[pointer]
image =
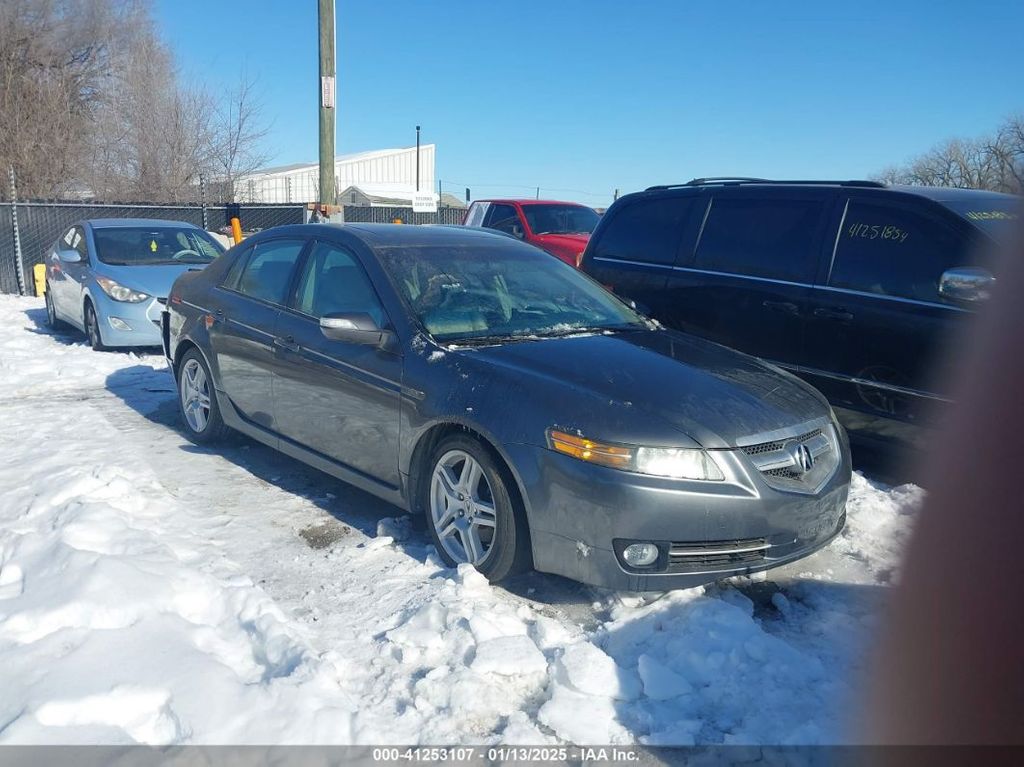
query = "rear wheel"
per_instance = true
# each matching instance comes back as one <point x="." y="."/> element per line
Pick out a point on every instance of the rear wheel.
<point x="92" y="329"/>
<point x="472" y="512"/>
<point x="51" y="313"/>
<point x="197" y="400"/>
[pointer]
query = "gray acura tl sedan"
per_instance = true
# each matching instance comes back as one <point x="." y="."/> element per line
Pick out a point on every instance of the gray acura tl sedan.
<point x="533" y="418"/>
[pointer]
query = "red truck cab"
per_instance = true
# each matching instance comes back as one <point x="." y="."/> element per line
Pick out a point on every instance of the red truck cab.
<point x="560" y="228"/>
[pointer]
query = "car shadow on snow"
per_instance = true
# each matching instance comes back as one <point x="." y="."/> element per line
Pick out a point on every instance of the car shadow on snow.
<point x="151" y="393"/>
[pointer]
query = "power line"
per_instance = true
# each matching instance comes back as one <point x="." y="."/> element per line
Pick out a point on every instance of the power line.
<point x="527" y="186"/>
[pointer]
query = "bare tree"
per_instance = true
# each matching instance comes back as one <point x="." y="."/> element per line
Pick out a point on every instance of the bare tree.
<point x="239" y="130"/>
<point x="54" y="58"/>
<point x="91" y="103"/>
<point x="994" y="162"/>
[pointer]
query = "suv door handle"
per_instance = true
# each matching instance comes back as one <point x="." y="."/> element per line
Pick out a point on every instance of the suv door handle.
<point x="782" y="307"/>
<point x="836" y="313"/>
<point x="288" y="342"/>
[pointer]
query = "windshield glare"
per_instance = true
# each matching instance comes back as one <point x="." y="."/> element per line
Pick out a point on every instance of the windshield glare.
<point x="146" y="246"/>
<point x="994" y="215"/>
<point x="464" y="293"/>
<point x="560" y="219"/>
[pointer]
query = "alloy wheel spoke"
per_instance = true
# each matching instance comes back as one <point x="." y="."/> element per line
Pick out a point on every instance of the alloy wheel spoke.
<point x="479" y="521"/>
<point x="471" y="542"/>
<point x="471" y="473"/>
<point x="448" y="482"/>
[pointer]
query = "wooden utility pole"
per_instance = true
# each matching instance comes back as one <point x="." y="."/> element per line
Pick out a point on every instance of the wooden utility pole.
<point x="327" y="108"/>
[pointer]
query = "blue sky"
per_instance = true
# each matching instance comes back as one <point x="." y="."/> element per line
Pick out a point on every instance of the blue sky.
<point x="581" y="98"/>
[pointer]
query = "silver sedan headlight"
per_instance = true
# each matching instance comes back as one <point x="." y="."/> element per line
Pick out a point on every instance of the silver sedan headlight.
<point x="119" y="292"/>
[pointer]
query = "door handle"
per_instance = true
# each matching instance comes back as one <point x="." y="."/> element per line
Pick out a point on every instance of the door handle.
<point x="782" y="307"/>
<point x="836" y="313"/>
<point x="288" y="343"/>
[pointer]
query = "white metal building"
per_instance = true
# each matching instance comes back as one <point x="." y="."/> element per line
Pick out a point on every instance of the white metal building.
<point x="393" y="170"/>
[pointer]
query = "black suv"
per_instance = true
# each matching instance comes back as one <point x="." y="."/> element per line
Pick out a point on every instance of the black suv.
<point x="853" y="285"/>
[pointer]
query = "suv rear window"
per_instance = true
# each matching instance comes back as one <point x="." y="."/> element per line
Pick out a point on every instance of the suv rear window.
<point x="645" y="230"/>
<point x="774" y="238"/>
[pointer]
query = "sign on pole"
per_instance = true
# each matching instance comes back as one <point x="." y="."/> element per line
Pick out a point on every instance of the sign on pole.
<point x="424" y="202"/>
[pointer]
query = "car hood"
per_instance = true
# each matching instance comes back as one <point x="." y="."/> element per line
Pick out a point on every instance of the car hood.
<point x="716" y="396"/>
<point x="572" y="242"/>
<point x="156" y="280"/>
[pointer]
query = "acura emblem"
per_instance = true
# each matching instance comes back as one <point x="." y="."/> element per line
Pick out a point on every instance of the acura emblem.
<point x="801" y="457"/>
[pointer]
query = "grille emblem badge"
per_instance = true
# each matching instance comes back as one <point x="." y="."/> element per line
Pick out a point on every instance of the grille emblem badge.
<point x="801" y="457"/>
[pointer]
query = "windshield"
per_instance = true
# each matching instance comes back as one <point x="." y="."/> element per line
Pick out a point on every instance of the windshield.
<point x="146" y="246"/>
<point x="994" y="215"/>
<point x="501" y="294"/>
<point x="560" y="219"/>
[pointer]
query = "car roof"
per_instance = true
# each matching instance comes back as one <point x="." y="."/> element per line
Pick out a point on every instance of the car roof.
<point x="531" y="201"/>
<point x="949" y="194"/>
<point x="112" y="223"/>
<point x="389" y="235"/>
<point x="935" y="193"/>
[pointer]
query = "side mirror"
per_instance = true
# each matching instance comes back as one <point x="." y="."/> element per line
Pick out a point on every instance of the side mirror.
<point x="356" y="328"/>
<point x="966" y="283"/>
<point x="69" y="256"/>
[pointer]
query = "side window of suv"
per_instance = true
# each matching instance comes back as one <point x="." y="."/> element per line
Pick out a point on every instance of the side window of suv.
<point x="646" y="230"/>
<point x="505" y="219"/>
<point x="894" y="250"/>
<point x="268" y="270"/>
<point x="774" y="238"/>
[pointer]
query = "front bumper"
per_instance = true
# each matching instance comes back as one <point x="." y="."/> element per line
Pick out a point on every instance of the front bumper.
<point x="580" y="515"/>
<point x="127" y="324"/>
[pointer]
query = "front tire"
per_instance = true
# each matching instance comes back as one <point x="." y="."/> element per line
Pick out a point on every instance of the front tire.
<point x="92" y="329"/>
<point x="472" y="511"/>
<point x="197" y="400"/>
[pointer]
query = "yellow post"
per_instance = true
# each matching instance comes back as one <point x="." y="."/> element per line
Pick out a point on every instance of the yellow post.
<point x="39" y="275"/>
<point x="236" y="230"/>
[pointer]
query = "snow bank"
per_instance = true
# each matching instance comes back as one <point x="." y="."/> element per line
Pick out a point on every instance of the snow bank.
<point x="154" y="592"/>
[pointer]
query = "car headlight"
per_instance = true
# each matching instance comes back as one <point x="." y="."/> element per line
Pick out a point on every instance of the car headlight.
<point x="119" y="292"/>
<point x="678" y="463"/>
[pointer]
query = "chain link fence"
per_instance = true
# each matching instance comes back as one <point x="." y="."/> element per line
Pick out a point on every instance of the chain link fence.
<point x="30" y="228"/>
<point x="391" y="215"/>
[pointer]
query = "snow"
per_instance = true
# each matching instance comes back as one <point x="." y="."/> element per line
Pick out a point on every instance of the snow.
<point x="156" y="592"/>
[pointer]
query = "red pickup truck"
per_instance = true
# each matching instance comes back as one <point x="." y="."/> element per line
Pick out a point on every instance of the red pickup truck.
<point x="560" y="228"/>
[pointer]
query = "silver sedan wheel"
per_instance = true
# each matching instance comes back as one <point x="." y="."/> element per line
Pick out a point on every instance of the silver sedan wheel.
<point x="462" y="507"/>
<point x="195" y="395"/>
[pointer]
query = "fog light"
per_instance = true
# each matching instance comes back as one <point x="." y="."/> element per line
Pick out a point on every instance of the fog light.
<point x="118" y="324"/>
<point x="640" y="554"/>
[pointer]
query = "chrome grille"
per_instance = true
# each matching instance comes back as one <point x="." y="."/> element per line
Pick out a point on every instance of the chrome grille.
<point x="776" y="460"/>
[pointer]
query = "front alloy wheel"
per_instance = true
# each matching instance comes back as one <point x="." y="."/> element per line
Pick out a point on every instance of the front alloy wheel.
<point x="473" y="510"/>
<point x="92" y="329"/>
<point x="462" y="507"/>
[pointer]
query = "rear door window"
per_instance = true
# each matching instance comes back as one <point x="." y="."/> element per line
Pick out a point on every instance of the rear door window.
<point x="647" y="231"/>
<point x="771" y="237"/>
<point x="895" y="250"/>
<point x="268" y="271"/>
